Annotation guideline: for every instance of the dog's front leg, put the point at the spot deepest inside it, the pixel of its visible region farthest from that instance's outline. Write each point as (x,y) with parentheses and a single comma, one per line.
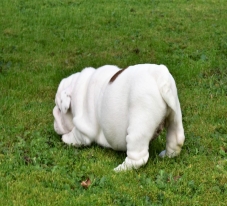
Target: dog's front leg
(75,138)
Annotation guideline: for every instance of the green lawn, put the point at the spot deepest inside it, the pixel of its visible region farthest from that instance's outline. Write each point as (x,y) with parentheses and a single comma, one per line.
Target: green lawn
(43,41)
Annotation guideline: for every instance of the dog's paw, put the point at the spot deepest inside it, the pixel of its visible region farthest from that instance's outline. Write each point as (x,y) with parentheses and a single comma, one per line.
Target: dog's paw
(162,154)
(171,154)
(69,139)
(122,167)
(65,139)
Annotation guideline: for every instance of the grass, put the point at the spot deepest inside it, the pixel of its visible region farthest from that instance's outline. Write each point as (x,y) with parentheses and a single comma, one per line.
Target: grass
(43,41)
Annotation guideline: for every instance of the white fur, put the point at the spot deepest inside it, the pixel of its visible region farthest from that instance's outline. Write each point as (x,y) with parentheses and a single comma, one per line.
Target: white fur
(122,115)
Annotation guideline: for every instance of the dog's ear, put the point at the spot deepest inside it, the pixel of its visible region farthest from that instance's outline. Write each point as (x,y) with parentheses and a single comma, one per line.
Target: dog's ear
(65,100)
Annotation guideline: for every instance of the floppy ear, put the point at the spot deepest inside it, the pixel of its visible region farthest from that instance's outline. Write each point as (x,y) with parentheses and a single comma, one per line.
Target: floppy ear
(65,100)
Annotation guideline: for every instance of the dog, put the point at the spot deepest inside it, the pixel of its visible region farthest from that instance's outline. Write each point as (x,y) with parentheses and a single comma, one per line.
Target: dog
(120,109)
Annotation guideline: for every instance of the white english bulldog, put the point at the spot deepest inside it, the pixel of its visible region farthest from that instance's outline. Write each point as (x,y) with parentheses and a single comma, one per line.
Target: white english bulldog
(120,109)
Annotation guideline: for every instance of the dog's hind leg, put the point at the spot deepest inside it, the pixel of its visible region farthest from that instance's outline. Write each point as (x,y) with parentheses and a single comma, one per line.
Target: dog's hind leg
(174,138)
(175,131)
(137,152)
(139,133)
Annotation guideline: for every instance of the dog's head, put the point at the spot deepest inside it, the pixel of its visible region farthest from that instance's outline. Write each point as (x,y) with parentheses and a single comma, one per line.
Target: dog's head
(63,117)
